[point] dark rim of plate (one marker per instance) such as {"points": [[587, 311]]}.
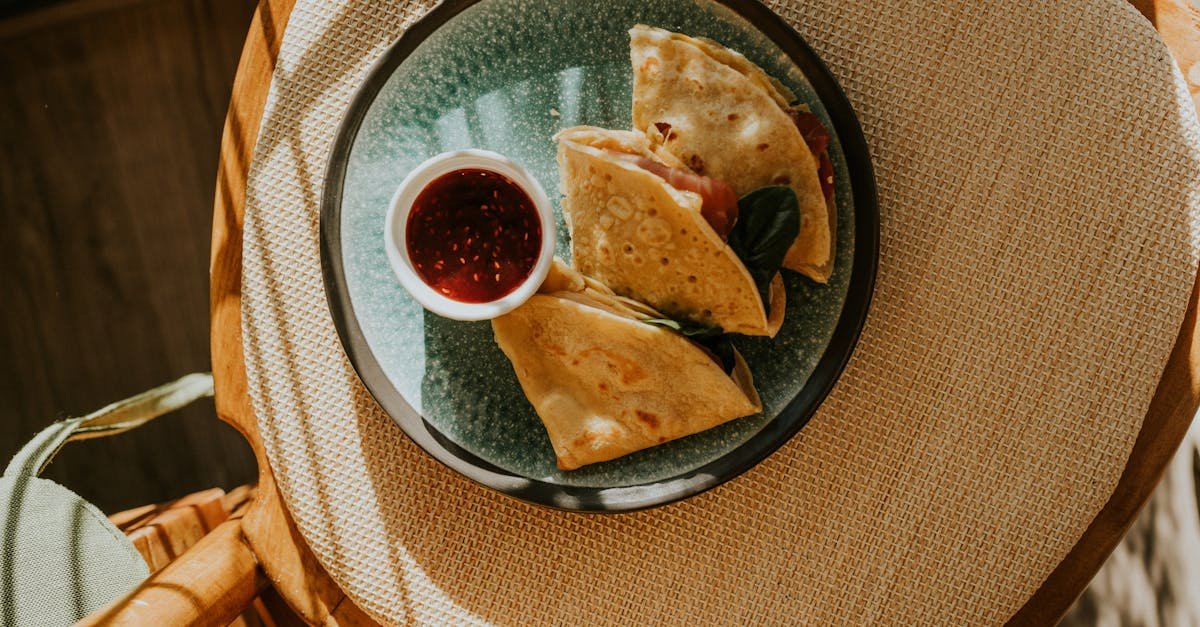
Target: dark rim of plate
{"points": [[628, 498]]}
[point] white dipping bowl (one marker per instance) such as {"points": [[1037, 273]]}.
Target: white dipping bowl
{"points": [[396, 232]]}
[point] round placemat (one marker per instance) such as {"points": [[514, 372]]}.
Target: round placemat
{"points": [[1036, 166]]}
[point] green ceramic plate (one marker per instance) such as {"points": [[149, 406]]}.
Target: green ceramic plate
{"points": [[505, 75]]}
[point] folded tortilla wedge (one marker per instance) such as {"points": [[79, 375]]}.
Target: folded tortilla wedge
{"points": [[724, 117], [606, 384], [634, 230]]}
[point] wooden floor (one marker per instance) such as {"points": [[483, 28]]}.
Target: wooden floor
{"points": [[110, 118]]}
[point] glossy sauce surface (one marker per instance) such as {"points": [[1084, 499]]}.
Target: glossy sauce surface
{"points": [[473, 235]]}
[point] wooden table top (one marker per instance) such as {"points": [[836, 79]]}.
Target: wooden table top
{"points": [[293, 569]]}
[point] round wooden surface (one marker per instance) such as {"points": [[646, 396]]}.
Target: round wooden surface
{"points": [[292, 568]]}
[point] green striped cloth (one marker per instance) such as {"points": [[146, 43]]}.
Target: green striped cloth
{"points": [[60, 557]]}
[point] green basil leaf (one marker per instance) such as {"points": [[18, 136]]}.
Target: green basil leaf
{"points": [[664, 322], [690, 329], [722, 347], [767, 225], [712, 339]]}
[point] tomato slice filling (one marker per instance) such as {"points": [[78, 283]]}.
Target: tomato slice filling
{"points": [[817, 138], [718, 201]]}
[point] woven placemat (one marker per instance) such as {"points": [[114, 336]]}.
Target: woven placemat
{"points": [[1037, 168]]}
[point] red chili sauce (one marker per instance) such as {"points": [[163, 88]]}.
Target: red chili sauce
{"points": [[473, 235]]}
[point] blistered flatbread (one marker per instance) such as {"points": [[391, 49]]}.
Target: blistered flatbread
{"points": [[645, 239], [606, 384], [723, 117]]}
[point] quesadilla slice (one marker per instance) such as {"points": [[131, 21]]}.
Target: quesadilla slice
{"points": [[603, 372], [651, 229], [723, 117]]}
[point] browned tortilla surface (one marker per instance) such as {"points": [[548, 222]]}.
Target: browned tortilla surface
{"points": [[724, 117], [606, 384], [647, 240]]}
